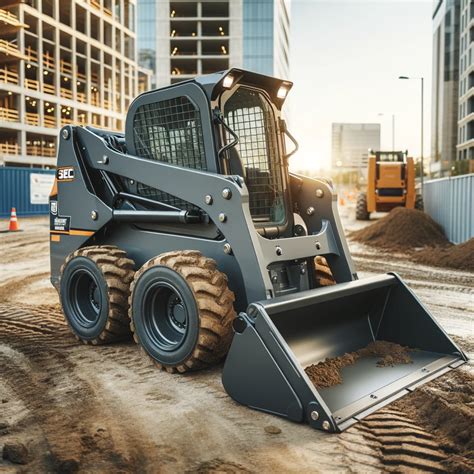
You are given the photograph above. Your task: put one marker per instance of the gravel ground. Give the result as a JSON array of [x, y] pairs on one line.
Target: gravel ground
[[107, 409]]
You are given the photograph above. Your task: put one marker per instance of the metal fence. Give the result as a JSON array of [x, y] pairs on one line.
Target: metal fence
[[450, 202], [26, 189]]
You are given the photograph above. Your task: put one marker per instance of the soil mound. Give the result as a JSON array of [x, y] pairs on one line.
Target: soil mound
[[328, 373], [460, 257], [402, 229]]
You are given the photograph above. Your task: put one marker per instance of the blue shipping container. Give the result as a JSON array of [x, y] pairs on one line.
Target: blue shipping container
[[26, 189]]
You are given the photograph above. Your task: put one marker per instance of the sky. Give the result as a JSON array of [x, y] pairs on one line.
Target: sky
[[346, 56]]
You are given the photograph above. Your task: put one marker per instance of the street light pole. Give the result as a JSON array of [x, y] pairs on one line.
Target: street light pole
[[422, 127]]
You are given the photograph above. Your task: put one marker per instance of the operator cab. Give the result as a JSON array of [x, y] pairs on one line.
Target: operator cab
[[254, 145], [390, 156], [227, 123]]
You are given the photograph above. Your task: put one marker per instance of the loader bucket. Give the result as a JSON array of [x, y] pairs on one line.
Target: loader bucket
[[275, 340]]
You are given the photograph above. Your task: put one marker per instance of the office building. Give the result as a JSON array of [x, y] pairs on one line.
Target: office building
[[452, 127], [465, 147], [445, 92], [63, 62], [351, 143], [181, 39]]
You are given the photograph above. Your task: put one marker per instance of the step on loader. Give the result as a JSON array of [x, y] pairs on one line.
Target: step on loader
[[189, 232]]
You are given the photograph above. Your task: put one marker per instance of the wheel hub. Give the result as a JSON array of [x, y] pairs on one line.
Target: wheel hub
[[85, 297], [94, 295], [177, 313]]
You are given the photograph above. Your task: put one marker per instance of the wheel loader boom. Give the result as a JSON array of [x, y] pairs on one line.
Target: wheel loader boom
[[192, 215]]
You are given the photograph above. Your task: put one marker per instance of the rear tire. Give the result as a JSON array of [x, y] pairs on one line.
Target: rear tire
[[419, 202], [181, 311], [94, 290], [323, 273], [362, 214]]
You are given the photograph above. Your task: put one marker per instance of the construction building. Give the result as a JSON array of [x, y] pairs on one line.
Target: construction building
[[452, 124], [445, 93], [465, 147], [63, 62], [181, 39]]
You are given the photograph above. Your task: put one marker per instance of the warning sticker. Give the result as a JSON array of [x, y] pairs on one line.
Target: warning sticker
[[58, 223], [61, 223]]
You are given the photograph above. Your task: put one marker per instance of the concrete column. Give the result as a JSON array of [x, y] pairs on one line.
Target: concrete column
[[236, 48], [163, 61], [88, 60], [74, 52], [21, 135]]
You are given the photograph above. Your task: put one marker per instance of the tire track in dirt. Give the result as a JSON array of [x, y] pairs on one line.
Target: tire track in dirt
[[430, 277], [77, 428], [403, 445], [429, 430]]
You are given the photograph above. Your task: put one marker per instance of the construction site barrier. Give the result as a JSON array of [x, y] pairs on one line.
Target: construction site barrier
[[450, 202], [26, 189]]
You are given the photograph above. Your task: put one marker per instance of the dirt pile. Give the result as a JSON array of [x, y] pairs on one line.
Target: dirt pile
[[390, 354], [460, 257], [402, 229], [446, 407], [328, 372]]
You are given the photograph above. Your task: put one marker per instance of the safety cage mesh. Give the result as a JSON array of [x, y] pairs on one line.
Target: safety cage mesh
[[248, 113], [169, 131]]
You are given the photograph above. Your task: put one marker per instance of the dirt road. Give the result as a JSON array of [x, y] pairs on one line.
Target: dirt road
[[107, 409]]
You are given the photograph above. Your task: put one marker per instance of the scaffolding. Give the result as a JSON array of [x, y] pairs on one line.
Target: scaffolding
[[67, 62]]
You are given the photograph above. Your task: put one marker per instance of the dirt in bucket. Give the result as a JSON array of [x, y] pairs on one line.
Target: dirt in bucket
[[402, 229], [328, 372]]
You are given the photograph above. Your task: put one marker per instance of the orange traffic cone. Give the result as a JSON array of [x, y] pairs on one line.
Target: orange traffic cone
[[13, 227]]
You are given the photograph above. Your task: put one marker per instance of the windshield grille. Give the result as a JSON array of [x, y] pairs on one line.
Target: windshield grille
[[251, 117]]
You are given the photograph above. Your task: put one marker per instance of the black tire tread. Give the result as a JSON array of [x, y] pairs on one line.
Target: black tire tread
[[361, 208], [118, 271], [214, 301]]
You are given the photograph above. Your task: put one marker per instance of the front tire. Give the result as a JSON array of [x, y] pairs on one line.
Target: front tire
[[181, 311], [362, 214], [94, 290]]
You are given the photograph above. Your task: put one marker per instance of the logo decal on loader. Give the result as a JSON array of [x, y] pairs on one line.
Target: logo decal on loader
[[53, 205], [65, 174]]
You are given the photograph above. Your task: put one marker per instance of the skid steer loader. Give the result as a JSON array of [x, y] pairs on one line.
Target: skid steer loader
[[390, 184], [191, 225]]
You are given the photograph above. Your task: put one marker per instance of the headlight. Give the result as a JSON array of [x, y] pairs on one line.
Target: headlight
[[228, 81], [282, 91]]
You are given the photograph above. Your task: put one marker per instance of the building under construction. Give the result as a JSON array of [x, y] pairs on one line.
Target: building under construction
[[63, 62]]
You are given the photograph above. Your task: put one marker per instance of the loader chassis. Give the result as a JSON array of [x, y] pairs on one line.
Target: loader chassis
[[191, 217]]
